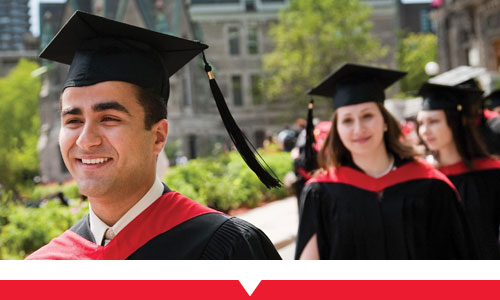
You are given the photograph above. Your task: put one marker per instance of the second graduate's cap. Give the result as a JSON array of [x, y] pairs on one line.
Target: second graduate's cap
[[100, 49], [354, 84], [436, 96], [493, 99]]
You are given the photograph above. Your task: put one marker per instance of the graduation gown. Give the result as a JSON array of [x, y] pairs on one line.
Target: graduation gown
[[173, 227], [480, 192], [412, 212]]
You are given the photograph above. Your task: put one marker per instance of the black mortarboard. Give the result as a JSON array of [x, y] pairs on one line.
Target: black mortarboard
[[354, 84], [100, 49], [462, 76], [493, 99], [436, 96]]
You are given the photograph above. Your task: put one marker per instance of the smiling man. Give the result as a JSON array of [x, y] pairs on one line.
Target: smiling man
[[113, 126]]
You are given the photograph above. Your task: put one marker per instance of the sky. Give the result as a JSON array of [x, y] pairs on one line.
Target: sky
[[34, 14]]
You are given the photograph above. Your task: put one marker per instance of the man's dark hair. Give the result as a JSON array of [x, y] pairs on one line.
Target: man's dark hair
[[154, 105]]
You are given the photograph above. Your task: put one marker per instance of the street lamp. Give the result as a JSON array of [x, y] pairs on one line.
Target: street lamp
[[431, 68]]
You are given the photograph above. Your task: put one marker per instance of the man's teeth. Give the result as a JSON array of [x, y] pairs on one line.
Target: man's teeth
[[94, 161]]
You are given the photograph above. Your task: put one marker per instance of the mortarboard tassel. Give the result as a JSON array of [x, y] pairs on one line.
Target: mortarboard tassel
[[310, 155], [240, 141]]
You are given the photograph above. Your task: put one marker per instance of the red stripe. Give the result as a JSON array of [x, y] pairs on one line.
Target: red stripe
[[304, 173], [170, 210], [268, 289], [410, 171], [477, 165], [489, 114]]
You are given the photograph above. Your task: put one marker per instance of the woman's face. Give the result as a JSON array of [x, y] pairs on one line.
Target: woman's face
[[434, 130], [361, 128]]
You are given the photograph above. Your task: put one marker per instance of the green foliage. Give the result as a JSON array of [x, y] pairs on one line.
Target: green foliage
[[225, 182], [19, 123], [69, 189], [414, 52], [25, 229], [312, 38]]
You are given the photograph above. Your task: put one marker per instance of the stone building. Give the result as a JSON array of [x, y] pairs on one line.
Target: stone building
[[237, 32], [192, 116], [468, 33], [16, 40]]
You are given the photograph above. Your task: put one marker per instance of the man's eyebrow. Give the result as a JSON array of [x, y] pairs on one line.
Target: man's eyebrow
[[110, 105], [71, 111]]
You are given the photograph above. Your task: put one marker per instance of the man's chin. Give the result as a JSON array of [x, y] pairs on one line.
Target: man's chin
[[93, 187]]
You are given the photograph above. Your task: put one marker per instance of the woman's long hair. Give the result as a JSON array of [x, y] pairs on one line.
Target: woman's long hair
[[334, 153], [466, 136]]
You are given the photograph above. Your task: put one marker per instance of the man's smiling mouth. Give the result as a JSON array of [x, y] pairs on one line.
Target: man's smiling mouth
[[94, 161]]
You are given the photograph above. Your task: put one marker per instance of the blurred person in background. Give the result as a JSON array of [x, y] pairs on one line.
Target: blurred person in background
[[447, 126], [373, 199]]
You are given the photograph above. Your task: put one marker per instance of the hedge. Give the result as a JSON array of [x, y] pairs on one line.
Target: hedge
[[223, 182]]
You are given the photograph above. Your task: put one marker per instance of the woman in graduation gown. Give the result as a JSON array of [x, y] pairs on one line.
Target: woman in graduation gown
[[446, 125], [373, 200]]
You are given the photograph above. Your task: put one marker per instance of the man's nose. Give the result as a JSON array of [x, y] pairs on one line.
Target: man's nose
[[89, 137]]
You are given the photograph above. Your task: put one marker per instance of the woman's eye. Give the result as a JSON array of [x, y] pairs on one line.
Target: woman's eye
[[347, 121], [367, 116]]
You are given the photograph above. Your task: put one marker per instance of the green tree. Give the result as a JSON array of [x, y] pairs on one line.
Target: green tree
[[312, 38], [19, 123], [415, 50]]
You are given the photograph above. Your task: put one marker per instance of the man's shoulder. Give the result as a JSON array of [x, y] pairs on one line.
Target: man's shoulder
[[238, 239]]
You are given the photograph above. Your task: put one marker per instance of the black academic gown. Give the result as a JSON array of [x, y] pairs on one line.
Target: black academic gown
[[413, 212], [173, 227], [480, 192]]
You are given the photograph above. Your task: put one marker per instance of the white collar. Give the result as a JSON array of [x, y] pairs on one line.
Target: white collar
[[98, 227]]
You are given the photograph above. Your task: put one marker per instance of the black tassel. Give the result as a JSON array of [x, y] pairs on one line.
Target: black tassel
[[240, 141], [309, 153]]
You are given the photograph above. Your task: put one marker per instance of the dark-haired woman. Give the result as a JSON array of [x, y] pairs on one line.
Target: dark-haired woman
[[446, 125], [374, 200]]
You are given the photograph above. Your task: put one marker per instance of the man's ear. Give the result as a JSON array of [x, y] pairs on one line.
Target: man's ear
[[160, 130]]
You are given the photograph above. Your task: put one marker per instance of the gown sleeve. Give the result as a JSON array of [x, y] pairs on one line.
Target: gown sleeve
[[450, 236], [238, 239], [309, 216]]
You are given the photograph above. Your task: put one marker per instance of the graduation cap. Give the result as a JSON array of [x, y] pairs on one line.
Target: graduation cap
[[462, 76], [451, 98], [354, 84], [493, 99], [99, 49]]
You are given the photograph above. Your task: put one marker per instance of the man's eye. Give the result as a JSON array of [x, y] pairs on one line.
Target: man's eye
[[110, 119], [73, 121]]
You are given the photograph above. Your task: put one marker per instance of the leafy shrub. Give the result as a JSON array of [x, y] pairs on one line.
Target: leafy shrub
[[25, 229], [69, 189], [225, 182]]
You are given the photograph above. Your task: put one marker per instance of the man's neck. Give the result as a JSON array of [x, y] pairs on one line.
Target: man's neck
[[110, 208], [374, 163]]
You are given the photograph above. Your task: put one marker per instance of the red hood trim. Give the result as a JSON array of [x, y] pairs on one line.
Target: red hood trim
[[410, 171], [168, 211], [477, 165]]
